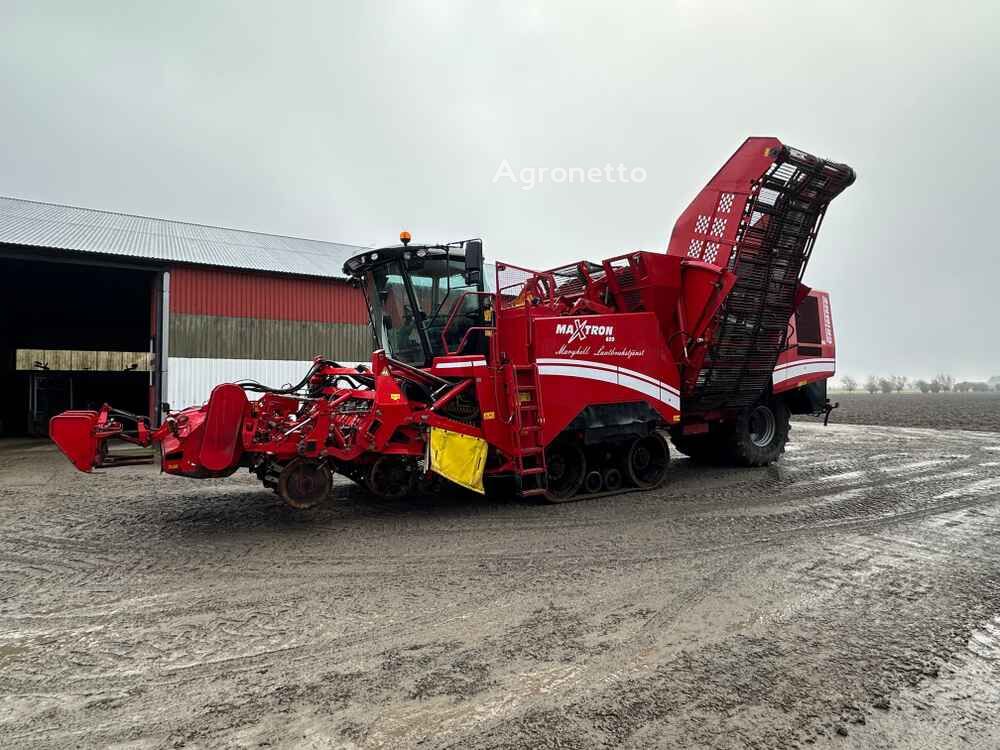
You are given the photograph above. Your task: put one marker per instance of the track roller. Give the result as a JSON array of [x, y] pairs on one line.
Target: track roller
[[647, 461], [567, 469], [612, 479], [594, 482]]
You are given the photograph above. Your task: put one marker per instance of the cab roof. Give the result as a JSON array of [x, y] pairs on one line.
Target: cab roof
[[360, 263]]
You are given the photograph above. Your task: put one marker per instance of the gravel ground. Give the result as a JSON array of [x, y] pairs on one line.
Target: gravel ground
[[948, 411], [847, 597]]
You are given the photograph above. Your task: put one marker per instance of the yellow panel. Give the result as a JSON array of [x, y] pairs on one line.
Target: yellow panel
[[460, 458]]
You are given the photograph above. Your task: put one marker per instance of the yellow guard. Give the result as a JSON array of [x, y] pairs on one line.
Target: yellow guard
[[460, 458]]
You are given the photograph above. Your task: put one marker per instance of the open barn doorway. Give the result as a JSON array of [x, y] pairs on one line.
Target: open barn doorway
[[73, 336]]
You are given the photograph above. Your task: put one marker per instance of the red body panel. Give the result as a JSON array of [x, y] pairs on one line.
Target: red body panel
[[707, 230], [812, 359], [602, 359]]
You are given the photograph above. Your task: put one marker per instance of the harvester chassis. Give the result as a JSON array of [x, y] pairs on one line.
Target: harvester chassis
[[566, 381]]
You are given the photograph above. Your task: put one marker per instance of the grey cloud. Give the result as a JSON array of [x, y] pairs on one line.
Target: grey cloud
[[350, 121]]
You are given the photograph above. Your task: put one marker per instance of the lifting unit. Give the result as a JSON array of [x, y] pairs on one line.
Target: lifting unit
[[563, 383]]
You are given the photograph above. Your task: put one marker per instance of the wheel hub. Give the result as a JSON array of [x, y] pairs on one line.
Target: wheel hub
[[641, 457], [762, 426]]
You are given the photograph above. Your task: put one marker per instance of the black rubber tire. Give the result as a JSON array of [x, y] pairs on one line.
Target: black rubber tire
[[753, 441], [390, 478], [304, 483]]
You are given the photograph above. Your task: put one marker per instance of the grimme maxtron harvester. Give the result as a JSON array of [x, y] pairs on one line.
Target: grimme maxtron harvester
[[563, 382]]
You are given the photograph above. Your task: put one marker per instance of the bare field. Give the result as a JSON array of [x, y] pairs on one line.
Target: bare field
[[847, 596], [948, 411]]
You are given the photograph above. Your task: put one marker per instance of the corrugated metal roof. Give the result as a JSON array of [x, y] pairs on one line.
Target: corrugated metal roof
[[24, 222]]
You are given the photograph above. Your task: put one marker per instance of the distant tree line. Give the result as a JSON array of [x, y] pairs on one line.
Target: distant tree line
[[941, 383], [969, 386]]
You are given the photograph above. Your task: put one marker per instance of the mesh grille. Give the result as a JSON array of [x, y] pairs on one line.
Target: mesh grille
[[569, 280], [510, 284]]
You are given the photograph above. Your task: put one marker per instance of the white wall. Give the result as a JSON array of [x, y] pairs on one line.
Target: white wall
[[191, 380]]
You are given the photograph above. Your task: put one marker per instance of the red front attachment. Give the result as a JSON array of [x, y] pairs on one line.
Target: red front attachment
[[220, 444], [81, 435], [76, 435]]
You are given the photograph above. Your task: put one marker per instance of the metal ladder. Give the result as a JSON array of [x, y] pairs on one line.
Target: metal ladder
[[526, 411]]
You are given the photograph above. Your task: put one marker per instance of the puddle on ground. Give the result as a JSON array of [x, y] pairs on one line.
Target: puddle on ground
[[8, 651]]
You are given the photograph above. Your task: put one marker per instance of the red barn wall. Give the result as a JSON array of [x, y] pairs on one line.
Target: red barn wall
[[227, 325]]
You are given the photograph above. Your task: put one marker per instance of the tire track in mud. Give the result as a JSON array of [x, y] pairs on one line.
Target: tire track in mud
[[868, 557], [216, 612], [829, 586]]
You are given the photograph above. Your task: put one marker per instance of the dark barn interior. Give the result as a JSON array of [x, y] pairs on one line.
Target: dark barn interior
[[69, 306]]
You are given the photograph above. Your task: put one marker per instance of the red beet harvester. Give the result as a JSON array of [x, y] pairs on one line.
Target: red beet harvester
[[559, 384]]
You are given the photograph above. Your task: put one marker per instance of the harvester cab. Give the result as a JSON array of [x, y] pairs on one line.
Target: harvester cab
[[562, 383], [413, 291]]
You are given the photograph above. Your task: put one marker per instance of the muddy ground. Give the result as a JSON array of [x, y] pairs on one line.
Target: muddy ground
[[848, 597], [948, 411]]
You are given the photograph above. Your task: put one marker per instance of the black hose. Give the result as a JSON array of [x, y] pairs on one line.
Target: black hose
[[256, 387]]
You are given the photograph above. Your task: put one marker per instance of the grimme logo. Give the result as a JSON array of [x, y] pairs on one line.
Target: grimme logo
[[827, 324], [580, 329]]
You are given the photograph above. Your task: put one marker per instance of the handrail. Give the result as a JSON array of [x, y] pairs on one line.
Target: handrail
[[454, 310], [534, 276]]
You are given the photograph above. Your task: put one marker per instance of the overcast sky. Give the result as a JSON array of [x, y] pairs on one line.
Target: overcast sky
[[350, 121]]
